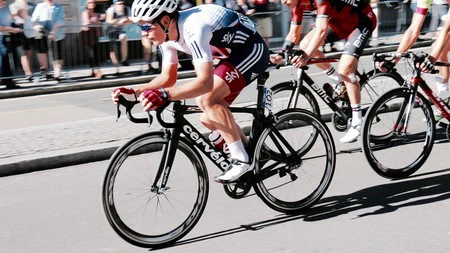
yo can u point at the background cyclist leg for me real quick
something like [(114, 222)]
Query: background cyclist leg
[(442, 80), (327, 68), (347, 70)]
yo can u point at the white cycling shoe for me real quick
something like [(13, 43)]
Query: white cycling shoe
[(234, 172), (352, 135)]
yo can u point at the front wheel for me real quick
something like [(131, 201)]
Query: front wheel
[(291, 173), (139, 210), (397, 146)]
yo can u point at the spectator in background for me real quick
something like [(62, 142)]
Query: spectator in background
[(438, 9), (264, 21), (148, 54), (240, 6), (117, 17), (48, 18), (218, 2), (90, 33), (5, 27), (21, 12)]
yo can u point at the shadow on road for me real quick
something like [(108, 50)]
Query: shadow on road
[(387, 197), (416, 190)]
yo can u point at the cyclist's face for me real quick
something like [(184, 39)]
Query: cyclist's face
[(152, 31)]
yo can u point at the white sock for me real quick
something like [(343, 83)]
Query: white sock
[(442, 88), (356, 115), (333, 75), (238, 152)]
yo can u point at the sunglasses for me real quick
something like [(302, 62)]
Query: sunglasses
[(146, 27)]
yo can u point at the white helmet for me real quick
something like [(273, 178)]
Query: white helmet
[(147, 10)]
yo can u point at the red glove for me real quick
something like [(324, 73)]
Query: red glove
[(121, 91), (124, 90), (157, 97)]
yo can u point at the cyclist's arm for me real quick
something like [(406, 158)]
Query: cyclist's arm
[(442, 40), (413, 31), (167, 78), (293, 36), (198, 86)]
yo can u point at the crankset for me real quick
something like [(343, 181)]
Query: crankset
[(240, 188), (340, 123)]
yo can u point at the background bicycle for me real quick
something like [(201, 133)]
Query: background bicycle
[(298, 92), (156, 186), (402, 119)]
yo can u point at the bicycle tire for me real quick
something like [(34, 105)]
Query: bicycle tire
[(414, 147), (288, 184), (282, 93), (135, 210), (378, 84)]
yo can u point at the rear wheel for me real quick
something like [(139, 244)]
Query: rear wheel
[(377, 85), (291, 181), (284, 97), (384, 137)]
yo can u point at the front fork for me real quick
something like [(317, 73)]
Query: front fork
[(169, 150)]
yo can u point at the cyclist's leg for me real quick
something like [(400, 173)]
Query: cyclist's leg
[(443, 76), (230, 77), (326, 67), (348, 64)]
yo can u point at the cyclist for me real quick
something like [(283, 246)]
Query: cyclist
[(294, 35), (206, 32), (350, 20), (410, 37)]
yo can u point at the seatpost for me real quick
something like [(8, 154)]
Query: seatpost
[(261, 81)]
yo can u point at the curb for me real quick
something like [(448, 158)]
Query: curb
[(55, 160)]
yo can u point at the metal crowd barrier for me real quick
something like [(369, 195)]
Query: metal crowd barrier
[(393, 18)]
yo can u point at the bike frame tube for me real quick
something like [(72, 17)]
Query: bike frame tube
[(303, 76), (443, 107), (406, 117)]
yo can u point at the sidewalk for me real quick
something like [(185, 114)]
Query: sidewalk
[(47, 147)]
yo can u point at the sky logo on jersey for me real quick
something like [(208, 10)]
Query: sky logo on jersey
[(232, 75), (227, 38)]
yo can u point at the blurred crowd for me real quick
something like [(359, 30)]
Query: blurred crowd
[(27, 29)]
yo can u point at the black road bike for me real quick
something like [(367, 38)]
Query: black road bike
[(156, 185), (295, 94)]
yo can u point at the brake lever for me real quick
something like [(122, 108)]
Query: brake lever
[(119, 113)]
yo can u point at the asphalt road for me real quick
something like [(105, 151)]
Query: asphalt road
[(60, 211)]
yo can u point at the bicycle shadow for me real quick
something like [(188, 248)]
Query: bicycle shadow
[(387, 197)]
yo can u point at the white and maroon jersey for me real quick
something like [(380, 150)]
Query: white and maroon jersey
[(209, 32)]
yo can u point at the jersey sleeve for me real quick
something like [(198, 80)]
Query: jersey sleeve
[(423, 6), (169, 53), (198, 40)]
